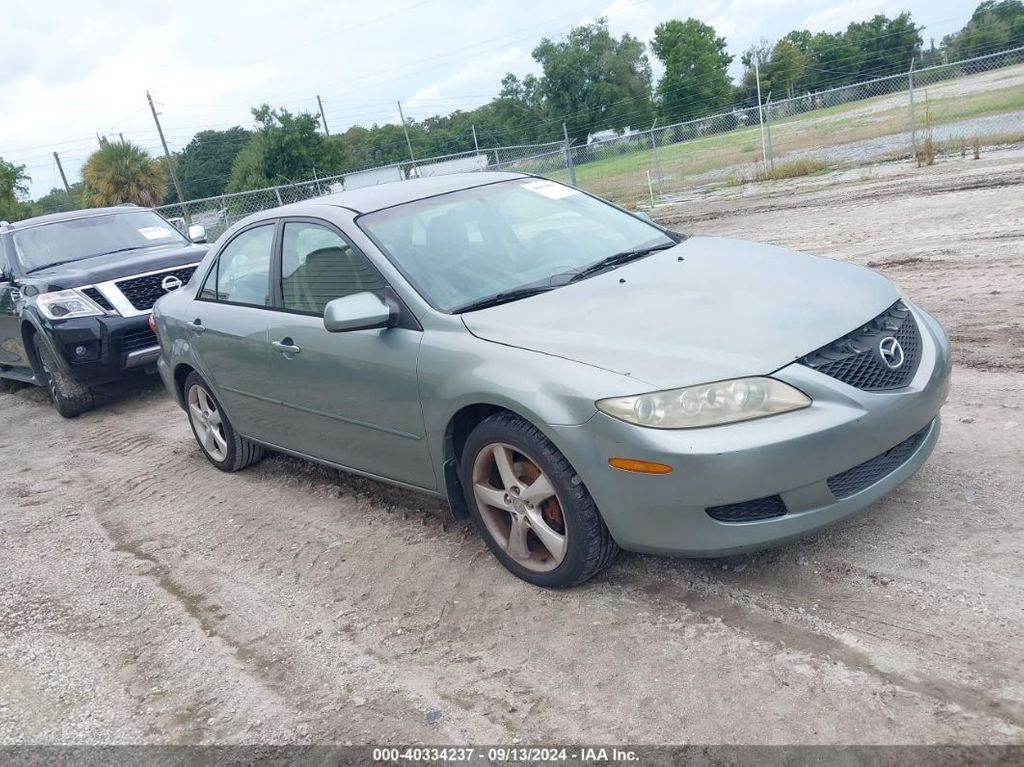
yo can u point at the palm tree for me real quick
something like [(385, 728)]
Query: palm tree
[(123, 172)]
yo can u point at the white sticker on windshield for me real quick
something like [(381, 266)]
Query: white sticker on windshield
[(550, 189), (155, 232)]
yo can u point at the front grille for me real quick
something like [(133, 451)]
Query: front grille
[(864, 475), (749, 511), (98, 298), (143, 292), (138, 339), (856, 359)]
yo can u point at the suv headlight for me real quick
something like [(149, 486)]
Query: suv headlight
[(66, 304), (713, 404)]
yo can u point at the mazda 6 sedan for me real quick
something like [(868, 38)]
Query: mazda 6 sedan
[(570, 375)]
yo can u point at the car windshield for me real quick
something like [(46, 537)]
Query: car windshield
[(462, 248), (76, 239)]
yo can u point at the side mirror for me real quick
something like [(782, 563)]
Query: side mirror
[(642, 214), (197, 233), (359, 311)]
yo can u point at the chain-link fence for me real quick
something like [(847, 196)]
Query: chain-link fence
[(216, 214), (961, 106)]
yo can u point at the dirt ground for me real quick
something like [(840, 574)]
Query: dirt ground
[(147, 597)]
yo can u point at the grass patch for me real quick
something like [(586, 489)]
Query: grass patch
[(808, 166)]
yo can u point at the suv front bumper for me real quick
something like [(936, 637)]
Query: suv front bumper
[(96, 350)]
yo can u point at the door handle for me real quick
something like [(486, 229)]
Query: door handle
[(197, 326), (286, 346)]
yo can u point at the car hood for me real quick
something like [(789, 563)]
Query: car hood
[(705, 310), (90, 271)]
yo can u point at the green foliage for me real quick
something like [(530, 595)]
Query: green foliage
[(995, 25), (594, 81), (284, 148), (204, 165), (13, 186), (122, 172), (803, 61), (696, 80)]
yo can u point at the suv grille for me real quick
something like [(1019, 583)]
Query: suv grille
[(138, 339), (855, 358), (864, 475), (98, 298), (143, 292), (749, 511)]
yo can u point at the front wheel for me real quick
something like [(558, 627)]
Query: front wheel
[(221, 444), (533, 511), (69, 397)]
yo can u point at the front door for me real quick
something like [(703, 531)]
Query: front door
[(228, 329), (348, 398), (12, 350)]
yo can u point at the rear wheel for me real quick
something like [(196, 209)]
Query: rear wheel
[(69, 397), (221, 444), (531, 507)]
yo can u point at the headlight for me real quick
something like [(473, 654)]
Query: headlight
[(65, 304), (708, 404)]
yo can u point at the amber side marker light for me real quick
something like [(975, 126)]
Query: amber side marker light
[(639, 467)]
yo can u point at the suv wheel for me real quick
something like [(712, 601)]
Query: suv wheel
[(221, 444), (68, 396), (531, 507)]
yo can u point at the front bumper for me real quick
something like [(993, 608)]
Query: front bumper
[(791, 455), (112, 345)]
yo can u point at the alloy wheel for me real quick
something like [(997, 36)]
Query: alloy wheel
[(207, 422), (519, 507)]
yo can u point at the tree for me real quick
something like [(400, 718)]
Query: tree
[(696, 80), (885, 46), (594, 81), (761, 53), (285, 148), (13, 186), (122, 172), (786, 68), (995, 25), (204, 165)]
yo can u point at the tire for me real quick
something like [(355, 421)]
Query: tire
[(69, 397), (586, 548), (224, 447)]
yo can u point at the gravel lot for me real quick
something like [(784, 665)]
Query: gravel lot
[(148, 598)]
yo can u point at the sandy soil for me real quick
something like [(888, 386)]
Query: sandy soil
[(147, 597)]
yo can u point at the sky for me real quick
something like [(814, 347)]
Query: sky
[(70, 70)]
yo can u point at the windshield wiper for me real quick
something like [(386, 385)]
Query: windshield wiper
[(502, 298), (83, 258), (617, 259)]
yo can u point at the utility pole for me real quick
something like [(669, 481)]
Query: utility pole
[(63, 177), (406, 129), (760, 114), (476, 145), (323, 117), (170, 161)]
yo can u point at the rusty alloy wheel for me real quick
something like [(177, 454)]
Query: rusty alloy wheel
[(519, 506)]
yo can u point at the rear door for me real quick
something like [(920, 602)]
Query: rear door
[(349, 398), (229, 330)]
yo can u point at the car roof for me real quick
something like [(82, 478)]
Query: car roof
[(371, 198), (69, 215)]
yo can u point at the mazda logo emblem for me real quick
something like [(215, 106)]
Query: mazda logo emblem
[(892, 353), (169, 283)]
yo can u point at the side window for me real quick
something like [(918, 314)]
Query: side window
[(242, 272), (317, 266)]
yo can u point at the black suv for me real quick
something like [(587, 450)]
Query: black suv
[(76, 291)]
